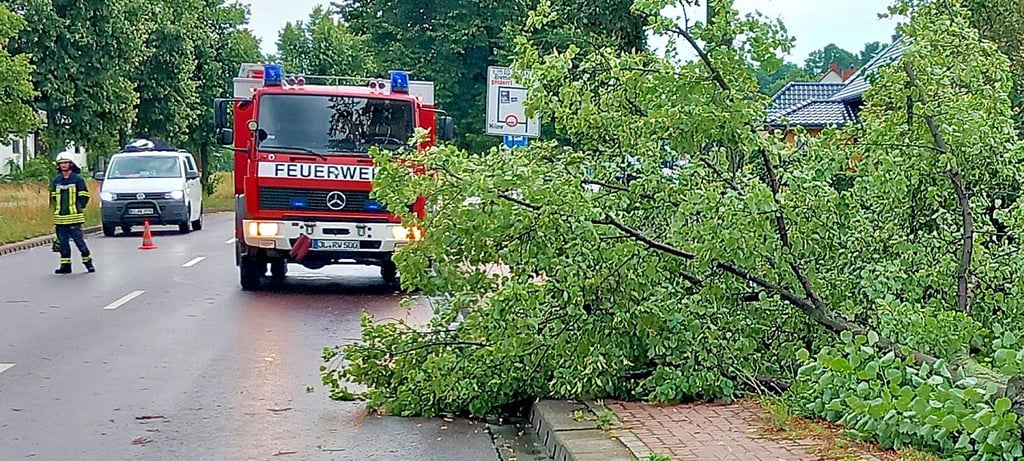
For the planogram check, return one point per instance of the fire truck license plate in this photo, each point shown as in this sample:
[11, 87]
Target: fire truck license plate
[335, 244]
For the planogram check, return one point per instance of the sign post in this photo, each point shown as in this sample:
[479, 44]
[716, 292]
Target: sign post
[506, 114]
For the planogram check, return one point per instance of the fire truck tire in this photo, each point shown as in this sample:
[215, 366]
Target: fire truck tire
[278, 269]
[389, 272]
[250, 271]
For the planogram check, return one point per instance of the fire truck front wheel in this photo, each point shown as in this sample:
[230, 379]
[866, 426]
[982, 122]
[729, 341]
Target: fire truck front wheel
[250, 270]
[278, 268]
[389, 272]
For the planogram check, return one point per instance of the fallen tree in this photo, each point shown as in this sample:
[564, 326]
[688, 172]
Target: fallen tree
[686, 253]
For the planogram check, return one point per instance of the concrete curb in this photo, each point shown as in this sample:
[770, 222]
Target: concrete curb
[622, 433]
[48, 239]
[40, 241]
[569, 439]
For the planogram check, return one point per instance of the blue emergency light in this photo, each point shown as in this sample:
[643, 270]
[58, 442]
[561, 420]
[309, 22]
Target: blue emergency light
[399, 81]
[272, 75]
[372, 205]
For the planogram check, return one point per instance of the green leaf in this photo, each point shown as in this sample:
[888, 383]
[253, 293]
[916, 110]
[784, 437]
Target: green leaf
[1002, 405]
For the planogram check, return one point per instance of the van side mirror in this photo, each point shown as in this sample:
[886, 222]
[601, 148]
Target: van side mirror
[225, 136]
[190, 175]
[445, 128]
[98, 175]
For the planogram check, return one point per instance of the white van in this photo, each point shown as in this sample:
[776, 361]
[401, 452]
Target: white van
[150, 181]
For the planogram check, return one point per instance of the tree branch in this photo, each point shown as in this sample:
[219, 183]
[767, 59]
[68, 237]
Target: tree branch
[637, 235]
[732, 184]
[715, 74]
[967, 246]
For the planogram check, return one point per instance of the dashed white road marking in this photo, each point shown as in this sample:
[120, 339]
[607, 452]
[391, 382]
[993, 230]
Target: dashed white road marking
[194, 261]
[124, 299]
[5, 366]
[229, 241]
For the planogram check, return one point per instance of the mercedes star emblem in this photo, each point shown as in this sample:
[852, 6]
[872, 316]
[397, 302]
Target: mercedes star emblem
[336, 200]
[140, 196]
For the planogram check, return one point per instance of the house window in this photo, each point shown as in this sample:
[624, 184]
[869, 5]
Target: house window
[16, 147]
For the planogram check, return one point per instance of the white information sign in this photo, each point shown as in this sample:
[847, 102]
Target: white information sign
[506, 114]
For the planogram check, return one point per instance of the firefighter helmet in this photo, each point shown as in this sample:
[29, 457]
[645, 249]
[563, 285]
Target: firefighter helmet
[68, 156]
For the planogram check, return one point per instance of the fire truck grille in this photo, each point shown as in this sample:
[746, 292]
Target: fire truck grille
[276, 198]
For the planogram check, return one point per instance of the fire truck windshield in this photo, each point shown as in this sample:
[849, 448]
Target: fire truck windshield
[334, 124]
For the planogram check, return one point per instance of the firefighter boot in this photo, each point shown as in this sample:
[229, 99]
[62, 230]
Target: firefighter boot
[89, 267]
[65, 268]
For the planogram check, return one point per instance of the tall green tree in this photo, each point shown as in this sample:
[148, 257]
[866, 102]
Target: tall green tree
[324, 46]
[818, 61]
[451, 43]
[17, 115]
[871, 49]
[771, 83]
[169, 102]
[223, 46]
[85, 54]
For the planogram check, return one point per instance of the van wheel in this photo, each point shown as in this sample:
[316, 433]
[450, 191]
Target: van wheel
[186, 226]
[198, 223]
[109, 230]
[126, 229]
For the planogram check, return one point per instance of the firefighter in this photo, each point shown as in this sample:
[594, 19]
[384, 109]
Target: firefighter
[68, 197]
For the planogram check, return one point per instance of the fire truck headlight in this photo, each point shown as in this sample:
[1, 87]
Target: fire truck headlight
[263, 229]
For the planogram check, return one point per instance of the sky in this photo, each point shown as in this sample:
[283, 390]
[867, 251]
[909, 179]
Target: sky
[815, 23]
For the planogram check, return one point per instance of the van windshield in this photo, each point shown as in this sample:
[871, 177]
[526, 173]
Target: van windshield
[144, 166]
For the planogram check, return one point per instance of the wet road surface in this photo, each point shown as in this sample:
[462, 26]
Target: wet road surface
[159, 355]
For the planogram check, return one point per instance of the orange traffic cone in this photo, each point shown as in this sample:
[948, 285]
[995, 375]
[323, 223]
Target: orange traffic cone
[147, 238]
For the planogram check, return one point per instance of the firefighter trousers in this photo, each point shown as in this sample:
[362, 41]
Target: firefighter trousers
[65, 234]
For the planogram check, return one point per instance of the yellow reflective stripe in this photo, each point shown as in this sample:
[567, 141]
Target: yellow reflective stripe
[69, 218]
[72, 201]
[84, 193]
[65, 260]
[86, 259]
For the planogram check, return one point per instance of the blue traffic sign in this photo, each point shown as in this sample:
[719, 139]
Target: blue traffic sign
[512, 141]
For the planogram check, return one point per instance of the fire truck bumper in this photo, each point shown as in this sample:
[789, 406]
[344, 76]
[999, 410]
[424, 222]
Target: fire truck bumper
[336, 239]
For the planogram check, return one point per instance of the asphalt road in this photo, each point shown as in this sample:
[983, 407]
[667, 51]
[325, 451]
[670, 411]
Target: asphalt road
[215, 373]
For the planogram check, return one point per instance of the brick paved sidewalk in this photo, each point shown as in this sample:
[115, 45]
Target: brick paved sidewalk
[709, 432]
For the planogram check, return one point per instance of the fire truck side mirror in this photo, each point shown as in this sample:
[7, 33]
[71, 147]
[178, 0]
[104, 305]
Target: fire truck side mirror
[220, 113]
[225, 136]
[445, 128]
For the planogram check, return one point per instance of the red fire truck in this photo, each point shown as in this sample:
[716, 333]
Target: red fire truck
[302, 169]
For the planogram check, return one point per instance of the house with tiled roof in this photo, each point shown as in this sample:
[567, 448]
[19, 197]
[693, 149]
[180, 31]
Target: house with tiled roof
[819, 105]
[834, 75]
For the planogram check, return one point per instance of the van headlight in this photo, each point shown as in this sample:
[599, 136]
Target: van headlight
[107, 196]
[175, 195]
